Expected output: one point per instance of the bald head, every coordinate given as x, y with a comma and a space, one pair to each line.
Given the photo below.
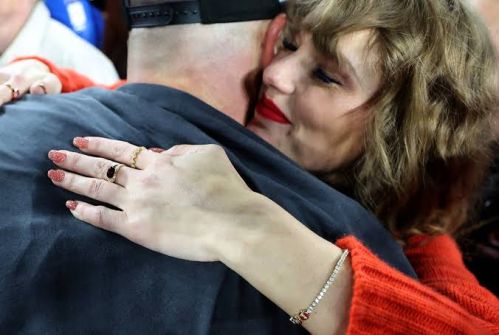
217, 63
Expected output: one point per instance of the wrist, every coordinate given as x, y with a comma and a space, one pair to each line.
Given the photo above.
256, 221
260, 226
289, 264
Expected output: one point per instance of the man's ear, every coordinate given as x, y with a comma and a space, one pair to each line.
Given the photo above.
272, 38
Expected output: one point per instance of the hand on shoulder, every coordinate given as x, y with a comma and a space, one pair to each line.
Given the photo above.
26, 76
183, 202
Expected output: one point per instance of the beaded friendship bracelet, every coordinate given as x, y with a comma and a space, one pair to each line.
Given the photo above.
304, 314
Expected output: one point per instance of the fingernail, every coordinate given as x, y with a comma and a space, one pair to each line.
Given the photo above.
57, 157
71, 205
56, 175
158, 150
80, 142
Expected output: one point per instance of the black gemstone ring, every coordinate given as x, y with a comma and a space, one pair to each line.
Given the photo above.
112, 172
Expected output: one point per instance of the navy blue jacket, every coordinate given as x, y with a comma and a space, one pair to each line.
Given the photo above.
62, 276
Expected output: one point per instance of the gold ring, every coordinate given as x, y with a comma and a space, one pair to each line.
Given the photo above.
112, 172
14, 92
135, 156
42, 86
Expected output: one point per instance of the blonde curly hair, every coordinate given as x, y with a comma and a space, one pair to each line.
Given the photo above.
429, 127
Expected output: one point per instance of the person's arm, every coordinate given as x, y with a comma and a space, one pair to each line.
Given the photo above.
190, 203
71, 80
288, 263
37, 75
26, 76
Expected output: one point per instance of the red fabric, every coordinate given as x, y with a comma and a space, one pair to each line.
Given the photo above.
447, 300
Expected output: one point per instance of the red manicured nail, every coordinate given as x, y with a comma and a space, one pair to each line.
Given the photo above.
158, 150
71, 205
80, 142
56, 175
57, 157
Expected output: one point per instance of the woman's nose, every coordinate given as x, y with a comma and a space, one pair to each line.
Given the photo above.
282, 73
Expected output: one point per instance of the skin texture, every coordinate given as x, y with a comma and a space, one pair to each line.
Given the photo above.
326, 118
232, 64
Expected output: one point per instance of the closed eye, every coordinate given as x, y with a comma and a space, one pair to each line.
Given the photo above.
321, 75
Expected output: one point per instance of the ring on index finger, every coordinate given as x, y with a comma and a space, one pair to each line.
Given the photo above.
135, 156
14, 92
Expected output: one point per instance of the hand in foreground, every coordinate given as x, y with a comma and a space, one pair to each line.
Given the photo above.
26, 76
180, 202
190, 203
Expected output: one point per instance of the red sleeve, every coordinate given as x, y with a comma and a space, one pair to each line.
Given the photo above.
446, 300
71, 80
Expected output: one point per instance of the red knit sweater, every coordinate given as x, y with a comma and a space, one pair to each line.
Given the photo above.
447, 299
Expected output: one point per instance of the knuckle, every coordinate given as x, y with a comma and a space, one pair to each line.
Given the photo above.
98, 216
176, 149
216, 149
53, 82
96, 187
50, 77
69, 180
101, 168
161, 161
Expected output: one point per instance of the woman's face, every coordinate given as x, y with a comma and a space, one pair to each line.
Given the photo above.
312, 105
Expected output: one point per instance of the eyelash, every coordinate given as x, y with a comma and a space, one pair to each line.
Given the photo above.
318, 73
321, 75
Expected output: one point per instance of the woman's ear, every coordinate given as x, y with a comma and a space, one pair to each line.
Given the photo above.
272, 38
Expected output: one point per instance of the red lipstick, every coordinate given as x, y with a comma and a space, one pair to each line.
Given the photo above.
268, 109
